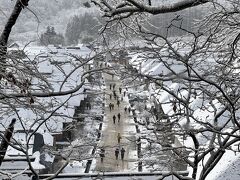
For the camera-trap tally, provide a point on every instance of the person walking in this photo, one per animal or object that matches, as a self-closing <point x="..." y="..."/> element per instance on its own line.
<point x="125" y="109"/>
<point x="116" y="153"/>
<point x="118" y="102"/>
<point x="120" y="90"/>
<point x="110" y="107"/>
<point x="119" y="116"/>
<point x="114" y="119"/>
<point x="122" y="153"/>
<point x="114" y="94"/>
<point x="113" y="86"/>
<point x="110" y="86"/>
<point x="110" y="96"/>
<point x="129" y="109"/>
<point x="102" y="154"/>
<point x="119" y="138"/>
<point x="124" y="93"/>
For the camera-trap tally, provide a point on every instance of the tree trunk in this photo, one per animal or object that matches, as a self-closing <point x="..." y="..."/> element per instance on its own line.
<point x="6" y="139"/>
<point x="6" y="32"/>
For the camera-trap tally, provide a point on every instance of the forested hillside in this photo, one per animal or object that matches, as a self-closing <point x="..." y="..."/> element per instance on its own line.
<point x="49" y="13"/>
<point x="77" y="23"/>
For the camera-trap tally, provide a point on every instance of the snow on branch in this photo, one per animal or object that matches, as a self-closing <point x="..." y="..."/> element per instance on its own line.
<point x="136" y="6"/>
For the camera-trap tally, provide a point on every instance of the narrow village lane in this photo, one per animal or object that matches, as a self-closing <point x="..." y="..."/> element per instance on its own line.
<point x="109" y="139"/>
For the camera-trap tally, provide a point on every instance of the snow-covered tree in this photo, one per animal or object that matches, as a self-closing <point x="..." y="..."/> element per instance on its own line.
<point x="194" y="77"/>
<point x="51" y="37"/>
<point x="38" y="94"/>
<point x="81" y="26"/>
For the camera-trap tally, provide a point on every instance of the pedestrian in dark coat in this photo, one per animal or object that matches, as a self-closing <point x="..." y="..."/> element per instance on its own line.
<point x="125" y="109"/>
<point x="147" y="121"/>
<point x="119" y="138"/>
<point x="114" y="119"/>
<point x="116" y="153"/>
<point x="114" y="94"/>
<point x="114" y="85"/>
<point x="110" y="96"/>
<point x="110" y="107"/>
<point x="118" y="103"/>
<point x="124" y="93"/>
<point x="129" y="109"/>
<point x="110" y="86"/>
<point x="119" y="116"/>
<point x="102" y="154"/>
<point x="120" y="90"/>
<point x="122" y="153"/>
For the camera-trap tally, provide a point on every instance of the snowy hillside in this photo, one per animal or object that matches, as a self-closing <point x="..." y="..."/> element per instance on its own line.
<point x="33" y="21"/>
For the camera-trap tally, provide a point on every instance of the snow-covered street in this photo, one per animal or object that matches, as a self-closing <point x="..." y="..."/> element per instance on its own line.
<point x="125" y="126"/>
<point x="128" y="90"/>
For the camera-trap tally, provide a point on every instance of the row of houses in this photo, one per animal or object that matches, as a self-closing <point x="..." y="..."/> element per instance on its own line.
<point x="167" y="106"/>
<point x="53" y="64"/>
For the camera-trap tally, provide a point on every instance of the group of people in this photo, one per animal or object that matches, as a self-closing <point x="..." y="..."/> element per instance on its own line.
<point x="127" y="109"/>
<point x="112" y="86"/>
<point x="114" y="118"/>
<point x="102" y="154"/>
<point x="122" y="152"/>
<point x="119" y="150"/>
<point x="111" y="107"/>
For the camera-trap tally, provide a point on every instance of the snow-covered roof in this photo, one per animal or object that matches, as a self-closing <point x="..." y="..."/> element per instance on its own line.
<point x="56" y="75"/>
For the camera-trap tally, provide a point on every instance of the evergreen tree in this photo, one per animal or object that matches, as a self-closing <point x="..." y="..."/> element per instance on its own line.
<point x="51" y="37"/>
<point x="80" y="28"/>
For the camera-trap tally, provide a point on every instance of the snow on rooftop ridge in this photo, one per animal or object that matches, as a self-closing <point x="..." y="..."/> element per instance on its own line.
<point x="36" y="164"/>
<point x="48" y="139"/>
